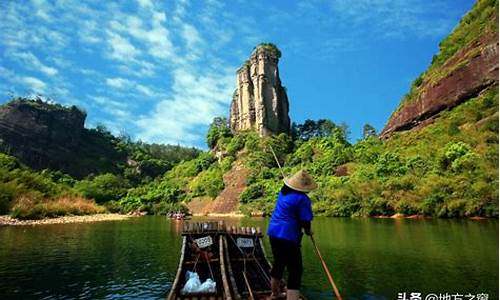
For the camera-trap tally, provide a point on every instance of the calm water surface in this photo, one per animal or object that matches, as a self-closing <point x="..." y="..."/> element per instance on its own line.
<point x="137" y="258"/>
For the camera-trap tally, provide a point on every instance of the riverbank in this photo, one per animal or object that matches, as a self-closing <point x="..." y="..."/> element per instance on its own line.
<point x="9" y="221"/>
<point x="422" y="217"/>
<point x="394" y="216"/>
<point x="221" y="215"/>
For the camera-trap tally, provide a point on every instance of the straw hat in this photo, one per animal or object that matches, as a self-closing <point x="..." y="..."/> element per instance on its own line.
<point x="301" y="181"/>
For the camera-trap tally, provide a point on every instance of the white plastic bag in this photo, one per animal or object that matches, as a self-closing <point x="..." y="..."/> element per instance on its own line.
<point x="192" y="283"/>
<point x="207" y="287"/>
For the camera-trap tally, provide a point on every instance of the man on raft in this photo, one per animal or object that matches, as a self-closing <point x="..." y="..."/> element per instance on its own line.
<point x="292" y="213"/>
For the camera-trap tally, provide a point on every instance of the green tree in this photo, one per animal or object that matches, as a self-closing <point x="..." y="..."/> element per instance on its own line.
<point x="369" y="131"/>
<point x="317" y="129"/>
<point x="103" y="187"/>
<point x="218" y="129"/>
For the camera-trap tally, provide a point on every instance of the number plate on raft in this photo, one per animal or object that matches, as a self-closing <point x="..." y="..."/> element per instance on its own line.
<point x="244" y="243"/>
<point x="204" y="241"/>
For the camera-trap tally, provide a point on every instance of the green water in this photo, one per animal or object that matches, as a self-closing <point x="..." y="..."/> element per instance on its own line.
<point x="137" y="258"/>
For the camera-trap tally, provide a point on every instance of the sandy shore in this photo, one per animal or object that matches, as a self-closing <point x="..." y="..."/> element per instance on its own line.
<point x="219" y="215"/>
<point x="7" y="220"/>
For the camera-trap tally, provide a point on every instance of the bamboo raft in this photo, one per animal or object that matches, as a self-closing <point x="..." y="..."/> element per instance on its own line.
<point x="201" y="252"/>
<point x="248" y="269"/>
<point x="236" y="260"/>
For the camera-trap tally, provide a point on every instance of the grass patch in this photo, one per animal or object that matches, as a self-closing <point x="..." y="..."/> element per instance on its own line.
<point x="27" y="207"/>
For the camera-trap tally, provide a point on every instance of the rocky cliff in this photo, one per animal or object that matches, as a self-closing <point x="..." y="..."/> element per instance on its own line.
<point x="466" y="66"/>
<point x="260" y="102"/>
<point x="43" y="135"/>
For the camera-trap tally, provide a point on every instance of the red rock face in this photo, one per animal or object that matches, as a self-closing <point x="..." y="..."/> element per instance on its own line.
<point x="467" y="80"/>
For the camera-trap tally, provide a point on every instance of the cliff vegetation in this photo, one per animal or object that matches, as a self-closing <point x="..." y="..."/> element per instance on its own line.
<point x="466" y="65"/>
<point x="479" y="21"/>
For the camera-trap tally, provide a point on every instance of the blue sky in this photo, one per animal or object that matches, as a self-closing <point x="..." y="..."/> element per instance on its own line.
<point x="161" y="71"/>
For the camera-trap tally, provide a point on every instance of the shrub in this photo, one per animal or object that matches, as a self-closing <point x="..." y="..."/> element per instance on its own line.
<point x="368" y="150"/>
<point x="8" y="162"/>
<point x="453" y="151"/>
<point x="163" y="208"/>
<point x="28" y="207"/>
<point x="103" y="188"/>
<point x="418" y="165"/>
<point x="377" y="207"/>
<point x="271" y="47"/>
<point x="226" y="163"/>
<point x="7" y="192"/>
<point x="218" y="129"/>
<point x="432" y="204"/>
<point x="417" y="82"/>
<point x="252" y="142"/>
<point x="389" y="164"/>
<point x="235" y="144"/>
<point x="252" y="192"/>
<point x="406" y="208"/>
<point x="208" y="183"/>
<point x="130" y="203"/>
<point x="304" y="154"/>
<point x="466" y="162"/>
<point x="153" y="167"/>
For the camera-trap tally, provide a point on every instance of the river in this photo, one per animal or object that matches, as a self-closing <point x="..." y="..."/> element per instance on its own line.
<point x="137" y="258"/>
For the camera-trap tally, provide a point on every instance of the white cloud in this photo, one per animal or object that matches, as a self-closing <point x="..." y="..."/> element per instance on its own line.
<point x="42" y="10"/>
<point x="119" y="83"/>
<point x="183" y="117"/>
<point x="150" y="51"/>
<point x="33" y="63"/>
<point x="145" y="3"/>
<point x="88" y="72"/>
<point x="121" y="48"/>
<point x="34" y="84"/>
<point x="120" y="110"/>
<point x="21" y="29"/>
<point x="180" y="10"/>
<point x="154" y="35"/>
<point x="61" y="91"/>
<point x="193" y="40"/>
<point x="29" y="84"/>
<point x="89" y="32"/>
<point x="101" y="100"/>
<point x="130" y="85"/>
<point x="145" y="90"/>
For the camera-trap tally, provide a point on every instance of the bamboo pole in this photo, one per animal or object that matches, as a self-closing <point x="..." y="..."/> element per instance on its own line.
<point x="325" y="267"/>
<point x="277" y="161"/>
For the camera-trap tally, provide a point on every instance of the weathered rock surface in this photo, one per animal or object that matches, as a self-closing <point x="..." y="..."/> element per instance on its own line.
<point x="473" y="69"/>
<point x="27" y="129"/>
<point x="260" y="102"/>
<point x="21" y="119"/>
<point x="43" y="136"/>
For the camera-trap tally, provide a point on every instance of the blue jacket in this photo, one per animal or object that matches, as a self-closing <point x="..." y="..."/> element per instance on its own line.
<point x="290" y="211"/>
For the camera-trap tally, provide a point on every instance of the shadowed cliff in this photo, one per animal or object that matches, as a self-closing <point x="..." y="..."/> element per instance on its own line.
<point x="43" y="135"/>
